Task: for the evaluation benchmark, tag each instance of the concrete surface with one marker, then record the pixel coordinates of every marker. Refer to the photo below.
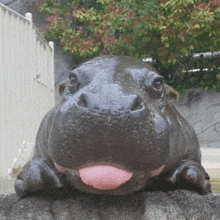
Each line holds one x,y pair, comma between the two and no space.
200,108
172,205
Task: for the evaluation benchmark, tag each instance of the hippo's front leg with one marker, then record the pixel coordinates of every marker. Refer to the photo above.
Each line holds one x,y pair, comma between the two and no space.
191,175
36,176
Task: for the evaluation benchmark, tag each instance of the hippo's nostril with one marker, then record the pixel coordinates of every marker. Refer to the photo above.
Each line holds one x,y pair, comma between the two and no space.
137,104
83,101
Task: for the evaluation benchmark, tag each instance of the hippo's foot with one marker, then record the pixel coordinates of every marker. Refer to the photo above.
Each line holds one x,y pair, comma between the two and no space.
187,175
191,175
39,175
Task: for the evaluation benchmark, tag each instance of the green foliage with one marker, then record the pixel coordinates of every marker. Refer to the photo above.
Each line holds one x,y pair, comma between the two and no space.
186,27
169,31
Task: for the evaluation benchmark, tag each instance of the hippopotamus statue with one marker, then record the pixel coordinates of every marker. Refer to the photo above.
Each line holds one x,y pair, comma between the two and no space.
115,131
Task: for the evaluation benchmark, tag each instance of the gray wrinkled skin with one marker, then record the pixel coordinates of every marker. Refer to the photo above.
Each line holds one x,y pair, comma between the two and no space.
115,111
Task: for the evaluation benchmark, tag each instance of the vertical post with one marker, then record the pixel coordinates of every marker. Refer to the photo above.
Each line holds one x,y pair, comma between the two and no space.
51,43
28,15
2,64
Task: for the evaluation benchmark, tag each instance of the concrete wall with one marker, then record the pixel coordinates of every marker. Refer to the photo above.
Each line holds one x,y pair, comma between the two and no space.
202,110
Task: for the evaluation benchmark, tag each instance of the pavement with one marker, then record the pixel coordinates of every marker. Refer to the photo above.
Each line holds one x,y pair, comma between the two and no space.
211,161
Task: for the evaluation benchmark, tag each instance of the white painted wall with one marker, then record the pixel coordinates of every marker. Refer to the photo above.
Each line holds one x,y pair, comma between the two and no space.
26,85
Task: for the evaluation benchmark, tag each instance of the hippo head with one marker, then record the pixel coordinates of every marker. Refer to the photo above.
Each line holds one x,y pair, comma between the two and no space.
110,125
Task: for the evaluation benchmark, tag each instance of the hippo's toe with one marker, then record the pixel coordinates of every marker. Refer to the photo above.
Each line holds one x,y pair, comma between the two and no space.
36,176
19,188
191,175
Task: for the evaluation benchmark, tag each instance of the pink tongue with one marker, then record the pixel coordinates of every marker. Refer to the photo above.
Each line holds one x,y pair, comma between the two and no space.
104,177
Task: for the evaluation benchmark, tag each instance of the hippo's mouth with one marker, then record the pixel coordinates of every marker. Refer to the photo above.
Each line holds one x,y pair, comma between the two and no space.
104,176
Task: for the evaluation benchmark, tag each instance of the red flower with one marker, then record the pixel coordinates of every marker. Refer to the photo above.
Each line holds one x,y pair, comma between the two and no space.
201,5
91,42
51,18
214,5
216,2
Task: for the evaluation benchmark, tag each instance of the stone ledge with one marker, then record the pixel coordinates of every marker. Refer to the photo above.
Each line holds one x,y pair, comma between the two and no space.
178,204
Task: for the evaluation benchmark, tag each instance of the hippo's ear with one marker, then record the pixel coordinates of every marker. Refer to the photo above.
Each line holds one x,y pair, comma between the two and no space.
171,94
62,86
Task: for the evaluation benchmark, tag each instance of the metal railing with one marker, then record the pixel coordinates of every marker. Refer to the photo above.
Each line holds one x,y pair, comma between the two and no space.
26,84
204,55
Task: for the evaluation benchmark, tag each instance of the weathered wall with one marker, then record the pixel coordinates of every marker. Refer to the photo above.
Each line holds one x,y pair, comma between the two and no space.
202,110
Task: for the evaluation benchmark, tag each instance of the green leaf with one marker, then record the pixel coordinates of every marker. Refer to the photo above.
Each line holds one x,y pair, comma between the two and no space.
197,26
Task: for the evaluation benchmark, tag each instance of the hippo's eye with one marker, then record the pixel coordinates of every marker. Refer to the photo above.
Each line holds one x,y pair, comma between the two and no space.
73,78
158,84
74,83
156,87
